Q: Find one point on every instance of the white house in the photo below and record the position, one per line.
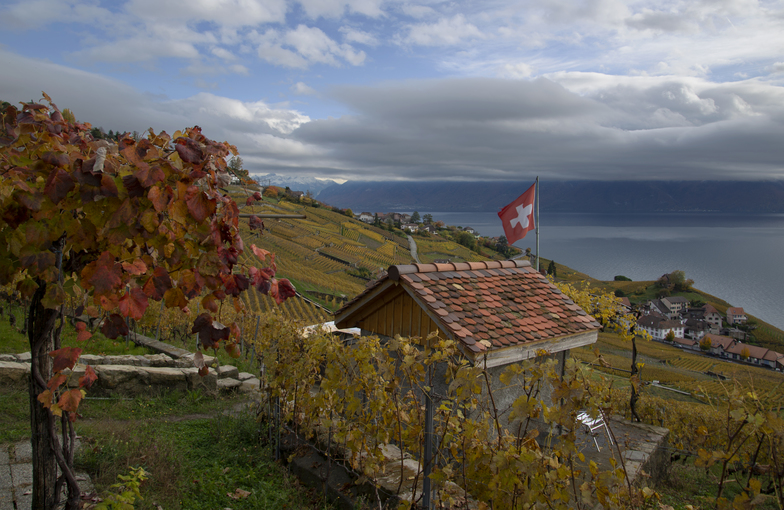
(658, 326)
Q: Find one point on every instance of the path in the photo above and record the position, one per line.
(413, 247)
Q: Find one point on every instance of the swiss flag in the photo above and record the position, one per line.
(518, 217)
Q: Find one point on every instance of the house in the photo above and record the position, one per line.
(676, 304)
(736, 315)
(661, 307)
(498, 312)
(711, 316)
(366, 217)
(411, 227)
(626, 304)
(720, 344)
(695, 328)
(753, 354)
(685, 343)
(658, 326)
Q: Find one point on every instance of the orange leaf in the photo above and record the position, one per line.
(175, 297)
(45, 398)
(136, 268)
(133, 304)
(259, 252)
(56, 381)
(69, 400)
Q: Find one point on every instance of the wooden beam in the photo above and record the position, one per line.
(517, 353)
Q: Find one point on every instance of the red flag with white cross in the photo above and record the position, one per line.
(518, 217)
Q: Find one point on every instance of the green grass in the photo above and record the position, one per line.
(193, 461)
(15, 410)
(12, 341)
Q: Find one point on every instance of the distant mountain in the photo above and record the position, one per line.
(562, 196)
(295, 183)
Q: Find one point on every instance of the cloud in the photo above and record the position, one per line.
(605, 128)
(778, 67)
(301, 89)
(338, 8)
(352, 35)
(229, 13)
(309, 45)
(518, 70)
(445, 32)
(38, 13)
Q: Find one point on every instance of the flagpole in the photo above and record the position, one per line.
(537, 223)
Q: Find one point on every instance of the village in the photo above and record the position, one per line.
(703, 329)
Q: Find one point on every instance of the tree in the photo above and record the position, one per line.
(670, 337)
(427, 219)
(552, 270)
(236, 169)
(467, 240)
(415, 217)
(114, 231)
(349, 213)
(745, 353)
(705, 343)
(621, 278)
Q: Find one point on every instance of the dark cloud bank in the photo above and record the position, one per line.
(563, 196)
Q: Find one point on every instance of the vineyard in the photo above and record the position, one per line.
(682, 370)
(431, 249)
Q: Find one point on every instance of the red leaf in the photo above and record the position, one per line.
(210, 333)
(256, 223)
(235, 284)
(108, 186)
(102, 274)
(133, 186)
(58, 185)
(41, 261)
(189, 150)
(88, 378)
(114, 326)
(259, 252)
(69, 400)
(158, 284)
(203, 371)
(65, 358)
(56, 159)
(56, 381)
(82, 333)
(281, 290)
(199, 205)
(257, 195)
(133, 304)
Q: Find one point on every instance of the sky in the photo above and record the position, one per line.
(424, 89)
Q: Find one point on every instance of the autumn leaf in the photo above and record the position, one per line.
(82, 333)
(234, 284)
(210, 333)
(189, 150)
(160, 197)
(57, 159)
(133, 304)
(238, 494)
(89, 377)
(102, 274)
(69, 400)
(210, 303)
(256, 223)
(56, 381)
(175, 297)
(114, 326)
(158, 284)
(136, 268)
(199, 205)
(65, 357)
(45, 398)
(54, 296)
(259, 252)
(281, 290)
(58, 185)
(191, 283)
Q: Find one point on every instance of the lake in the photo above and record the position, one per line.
(739, 258)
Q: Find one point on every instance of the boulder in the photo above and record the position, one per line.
(225, 371)
(195, 381)
(167, 378)
(250, 385)
(159, 360)
(14, 375)
(244, 376)
(228, 384)
(126, 359)
(128, 380)
(24, 357)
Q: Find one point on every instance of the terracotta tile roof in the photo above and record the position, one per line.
(735, 310)
(491, 304)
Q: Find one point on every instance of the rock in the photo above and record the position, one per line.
(24, 357)
(124, 379)
(159, 360)
(249, 385)
(228, 384)
(244, 376)
(195, 381)
(187, 361)
(14, 375)
(91, 359)
(168, 378)
(8, 357)
(230, 371)
(125, 359)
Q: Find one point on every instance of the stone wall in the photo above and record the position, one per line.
(136, 375)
